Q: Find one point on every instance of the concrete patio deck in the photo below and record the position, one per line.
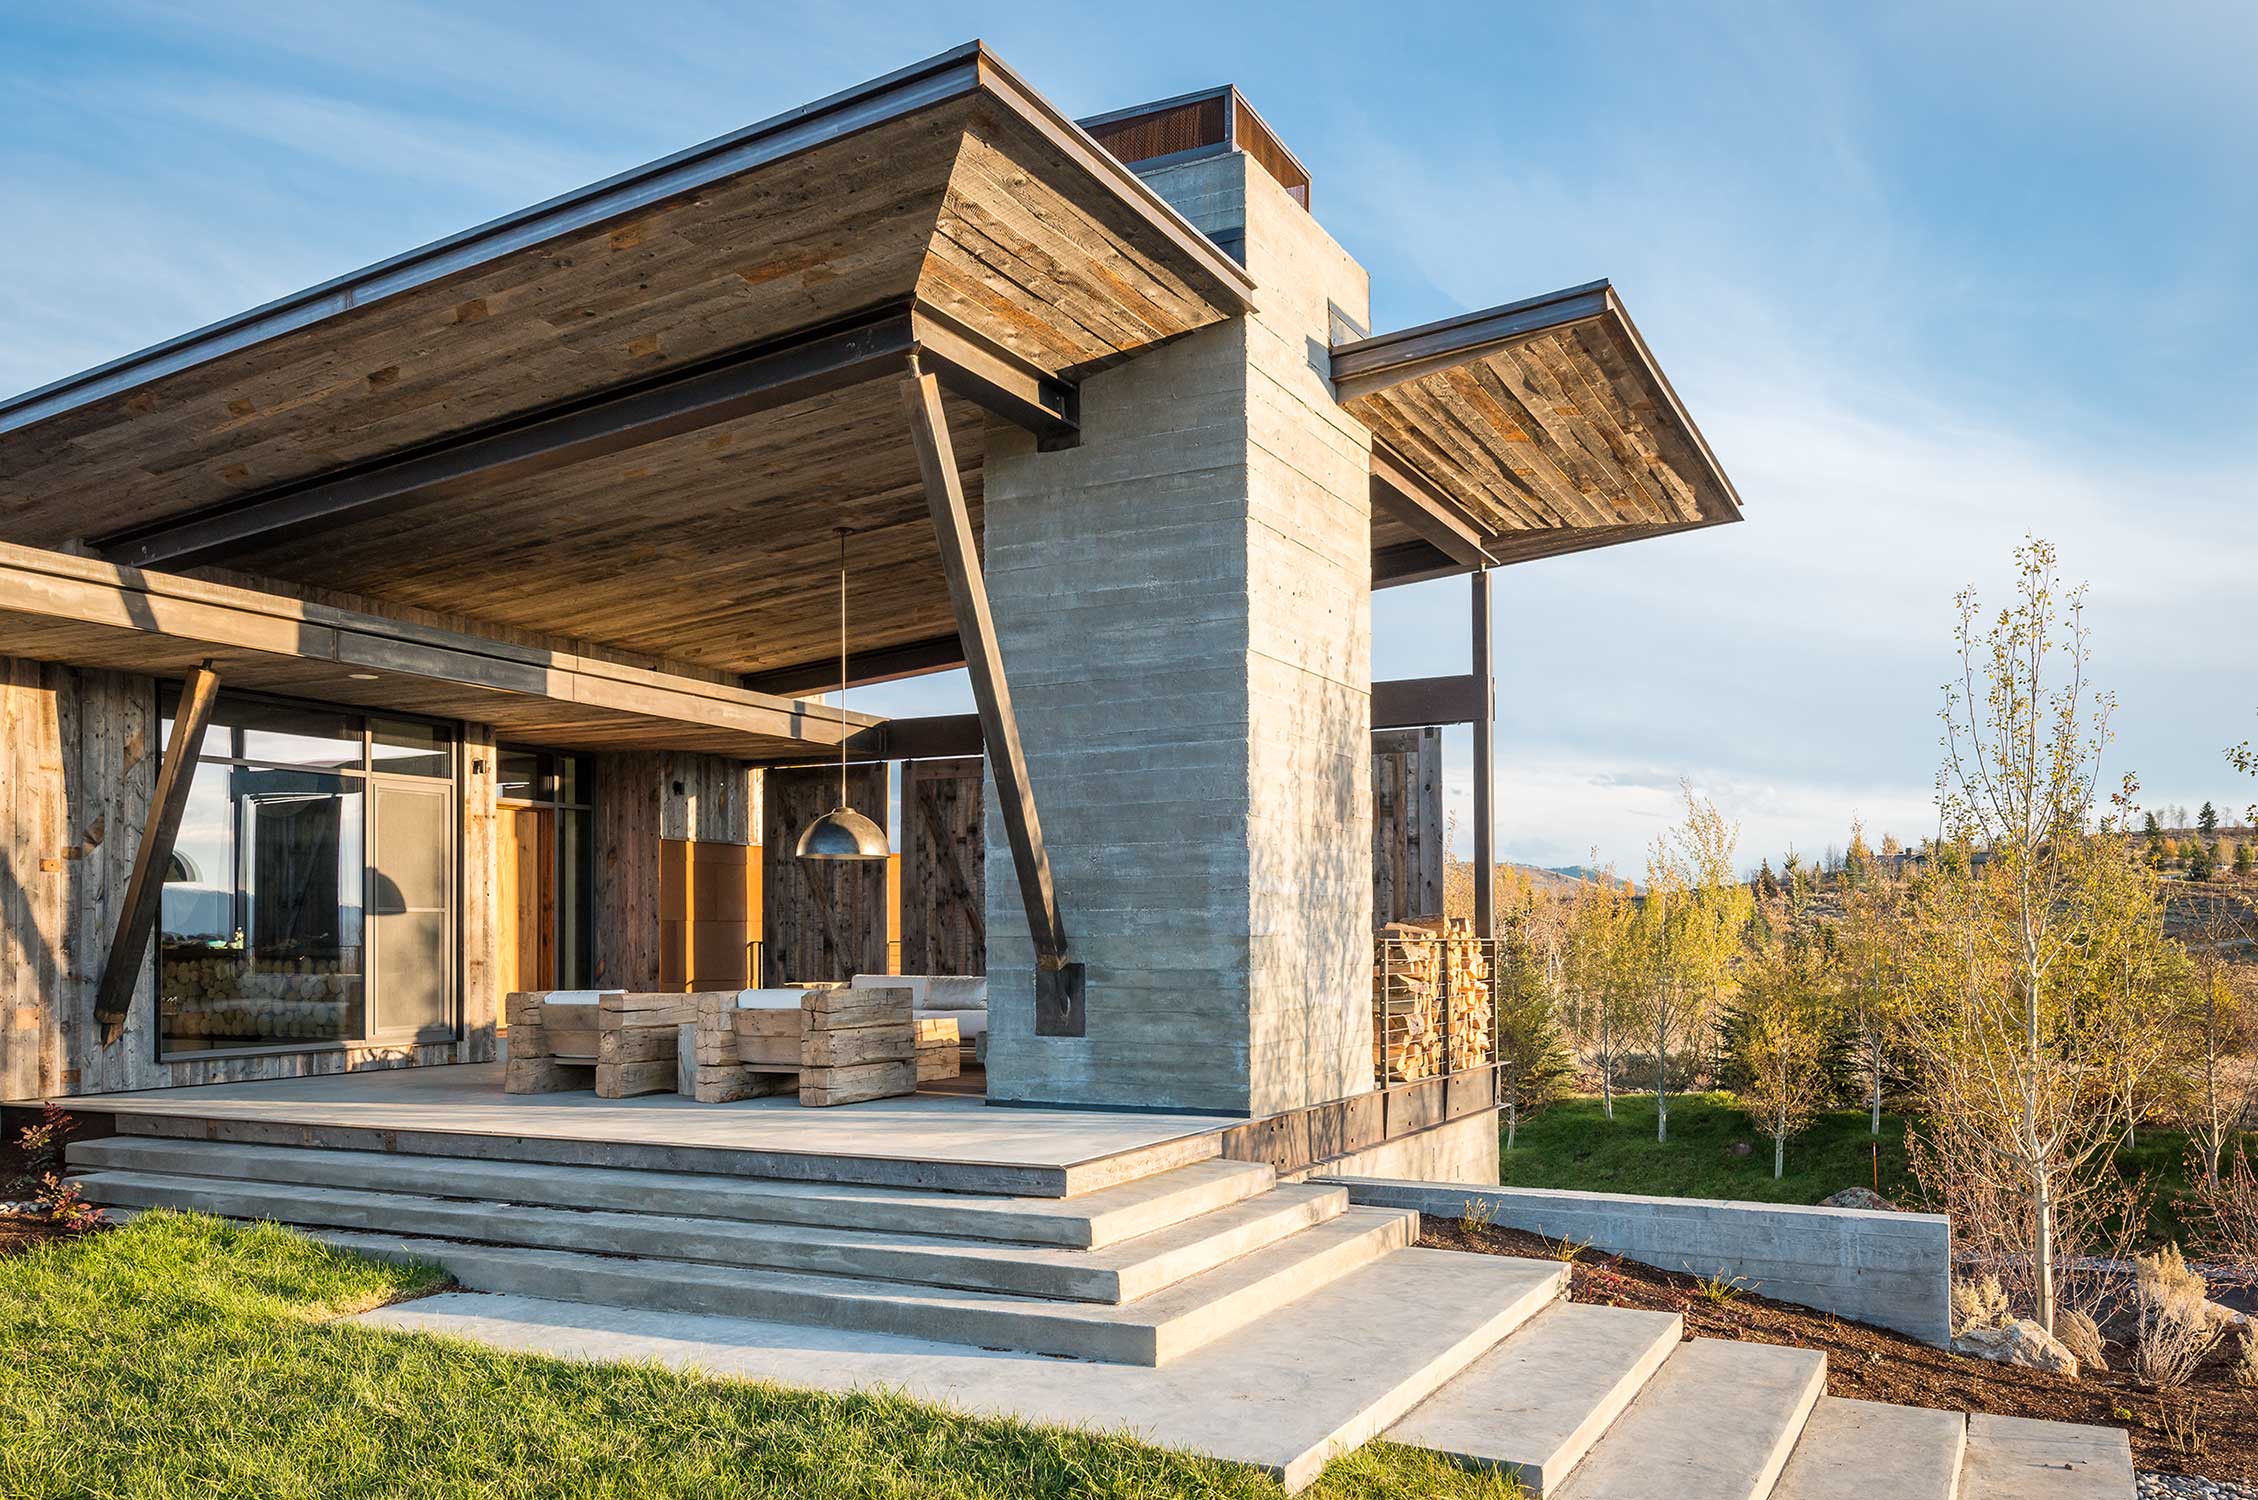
(947, 1141)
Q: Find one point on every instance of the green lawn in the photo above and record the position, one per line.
(1573, 1144)
(179, 1355)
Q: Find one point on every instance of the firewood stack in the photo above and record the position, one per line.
(1410, 965)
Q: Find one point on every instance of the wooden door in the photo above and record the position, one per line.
(527, 940)
(820, 919)
(944, 868)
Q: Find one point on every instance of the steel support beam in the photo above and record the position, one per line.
(744, 384)
(1404, 493)
(137, 918)
(1059, 1007)
(1485, 764)
(1413, 562)
(1414, 702)
(878, 664)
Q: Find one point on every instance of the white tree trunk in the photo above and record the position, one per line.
(2042, 1247)
(1779, 1157)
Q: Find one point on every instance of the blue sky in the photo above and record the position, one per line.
(1930, 278)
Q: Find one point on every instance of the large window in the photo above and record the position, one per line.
(310, 897)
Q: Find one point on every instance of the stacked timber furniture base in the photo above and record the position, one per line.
(834, 1045)
(620, 1043)
(857, 1045)
(1196, 1300)
(552, 1040)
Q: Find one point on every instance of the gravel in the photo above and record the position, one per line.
(2155, 1486)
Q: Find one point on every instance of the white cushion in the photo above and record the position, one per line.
(576, 997)
(769, 999)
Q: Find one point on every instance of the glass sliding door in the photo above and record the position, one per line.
(310, 898)
(547, 870)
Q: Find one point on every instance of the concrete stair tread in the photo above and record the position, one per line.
(1088, 1220)
(1716, 1422)
(1288, 1393)
(1855, 1450)
(2022, 1458)
(1153, 1331)
(1124, 1272)
(1535, 1404)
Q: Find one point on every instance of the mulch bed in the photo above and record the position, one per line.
(1874, 1364)
(18, 1234)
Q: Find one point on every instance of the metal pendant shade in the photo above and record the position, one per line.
(842, 833)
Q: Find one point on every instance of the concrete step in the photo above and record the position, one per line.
(1535, 1404)
(1288, 1392)
(1123, 1272)
(1857, 1450)
(1087, 1221)
(2021, 1458)
(1155, 1331)
(1716, 1422)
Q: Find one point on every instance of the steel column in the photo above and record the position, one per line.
(1059, 1009)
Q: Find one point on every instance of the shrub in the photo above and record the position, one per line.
(2081, 1336)
(2244, 1370)
(1978, 1304)
(2172, 1330)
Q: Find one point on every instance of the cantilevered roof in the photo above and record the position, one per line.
(56, 607)
(636, 412)
(1539, 427)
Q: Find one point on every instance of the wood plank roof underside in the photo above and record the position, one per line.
(949, 189)
(55, 607)
(1545, 427)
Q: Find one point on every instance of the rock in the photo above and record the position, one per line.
(2022, 1343)
(1740, 1148)
(1858, 1197)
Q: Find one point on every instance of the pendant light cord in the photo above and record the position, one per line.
(842, 667)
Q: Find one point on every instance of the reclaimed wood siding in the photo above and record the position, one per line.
(644, 801)
(1407, 824)
(943, 869)
(819, 920)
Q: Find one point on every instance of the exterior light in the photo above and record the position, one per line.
(842, 833)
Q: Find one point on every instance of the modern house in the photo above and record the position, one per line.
(384, 662)
(497, 569)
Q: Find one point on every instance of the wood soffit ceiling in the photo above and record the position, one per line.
(949, 187)
(1545, 424)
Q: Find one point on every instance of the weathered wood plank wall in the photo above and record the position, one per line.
(644, 801)
(1407, 824)
(943, 865)
(819, 920)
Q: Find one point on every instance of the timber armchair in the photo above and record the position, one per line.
(552, 1041)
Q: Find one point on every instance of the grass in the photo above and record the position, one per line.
(1572, 1144)
(182, 1355)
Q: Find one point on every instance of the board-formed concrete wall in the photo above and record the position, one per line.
(1891, 1269)
(1464, 1151)
(1183, 605)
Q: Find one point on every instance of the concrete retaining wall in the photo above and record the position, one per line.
(1890, 1269)
(1464, 1151)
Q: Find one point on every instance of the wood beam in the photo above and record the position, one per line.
(1485, 763)
(1059, 1008)
(137, 919)
(1403, 492)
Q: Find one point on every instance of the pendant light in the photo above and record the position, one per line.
(842, 833)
